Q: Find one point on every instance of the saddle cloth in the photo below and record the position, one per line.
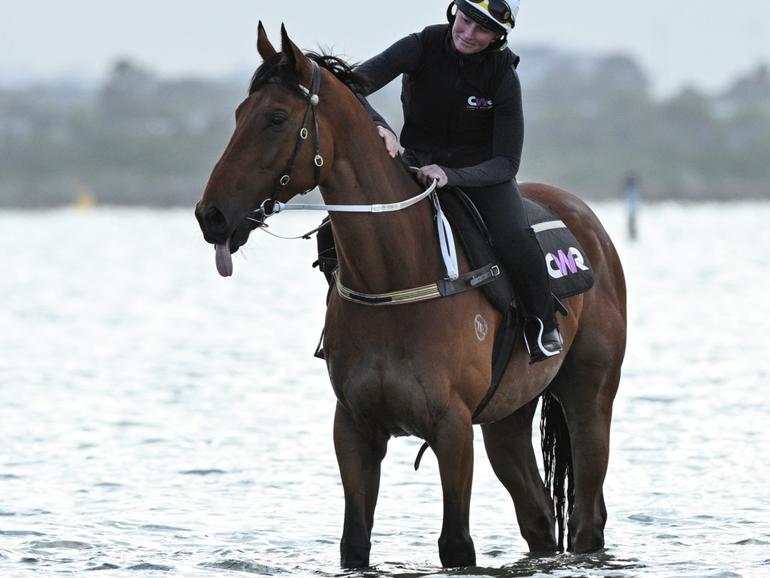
(567, 263)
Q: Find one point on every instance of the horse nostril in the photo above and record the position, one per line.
(215, 219)
(213, 223)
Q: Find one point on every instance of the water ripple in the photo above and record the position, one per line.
(203, 472)
(151, 567)
(244, 566)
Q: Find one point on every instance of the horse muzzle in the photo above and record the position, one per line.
(213, 222)
(226, 234)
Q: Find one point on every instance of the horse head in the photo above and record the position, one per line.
(266, 159)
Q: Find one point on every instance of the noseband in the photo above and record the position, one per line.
(267, 207)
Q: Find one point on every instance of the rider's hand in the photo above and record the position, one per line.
(427, 173)
(391, 141)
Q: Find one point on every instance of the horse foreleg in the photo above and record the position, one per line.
(509, 447)
(453, 446)
(359, 457)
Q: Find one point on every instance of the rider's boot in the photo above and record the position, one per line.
(542, 343)
(532, 285)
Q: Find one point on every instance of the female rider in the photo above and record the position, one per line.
(464, 126)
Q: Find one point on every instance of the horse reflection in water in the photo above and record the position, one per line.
(421, 369)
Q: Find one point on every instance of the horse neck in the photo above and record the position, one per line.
(382, 251)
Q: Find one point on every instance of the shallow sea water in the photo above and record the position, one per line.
(157, 420)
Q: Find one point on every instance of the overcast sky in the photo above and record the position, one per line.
(678, 42)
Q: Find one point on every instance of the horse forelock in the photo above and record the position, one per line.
(274, 69)
(277, 70)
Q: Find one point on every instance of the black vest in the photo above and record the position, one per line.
(448, 101)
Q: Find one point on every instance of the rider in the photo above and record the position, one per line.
(464, 126)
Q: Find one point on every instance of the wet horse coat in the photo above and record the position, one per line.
(421, 369)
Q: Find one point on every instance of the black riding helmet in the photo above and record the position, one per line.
(495, 15)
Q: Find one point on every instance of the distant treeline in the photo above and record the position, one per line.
(141, 139)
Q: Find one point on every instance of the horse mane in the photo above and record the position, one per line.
(342, 71)
(276, 70)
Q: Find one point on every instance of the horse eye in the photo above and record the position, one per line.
(278, 119)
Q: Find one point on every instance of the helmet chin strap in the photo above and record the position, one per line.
(450, 14)
(500, 44)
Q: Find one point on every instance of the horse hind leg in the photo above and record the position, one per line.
(359, 457)
(586, 392)
(509, 447)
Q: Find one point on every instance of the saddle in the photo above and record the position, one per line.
(567, 263)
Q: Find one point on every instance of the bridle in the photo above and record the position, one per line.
(267, 207)
(272, 206)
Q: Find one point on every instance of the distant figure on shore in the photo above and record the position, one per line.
(633, 199)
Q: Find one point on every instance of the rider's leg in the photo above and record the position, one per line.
(503, 211)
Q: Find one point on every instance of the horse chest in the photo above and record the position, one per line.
(398, 394)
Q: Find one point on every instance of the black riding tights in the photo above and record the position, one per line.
(514, 242)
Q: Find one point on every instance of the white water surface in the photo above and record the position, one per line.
(158, 420)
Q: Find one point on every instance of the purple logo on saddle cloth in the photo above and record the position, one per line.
(561, 264)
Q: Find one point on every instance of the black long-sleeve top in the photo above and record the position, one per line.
(462, 112)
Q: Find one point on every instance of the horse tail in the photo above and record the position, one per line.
(557, 461)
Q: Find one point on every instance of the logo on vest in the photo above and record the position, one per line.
(562, 264)
(479, 103)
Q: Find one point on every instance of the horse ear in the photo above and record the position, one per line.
(293, 55)
(264, 47)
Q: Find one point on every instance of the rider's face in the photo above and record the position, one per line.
(469, 37)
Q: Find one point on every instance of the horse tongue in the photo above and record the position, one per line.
(224, 259)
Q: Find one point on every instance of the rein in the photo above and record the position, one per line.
(382, 208)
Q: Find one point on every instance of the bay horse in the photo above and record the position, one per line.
(421, 369)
